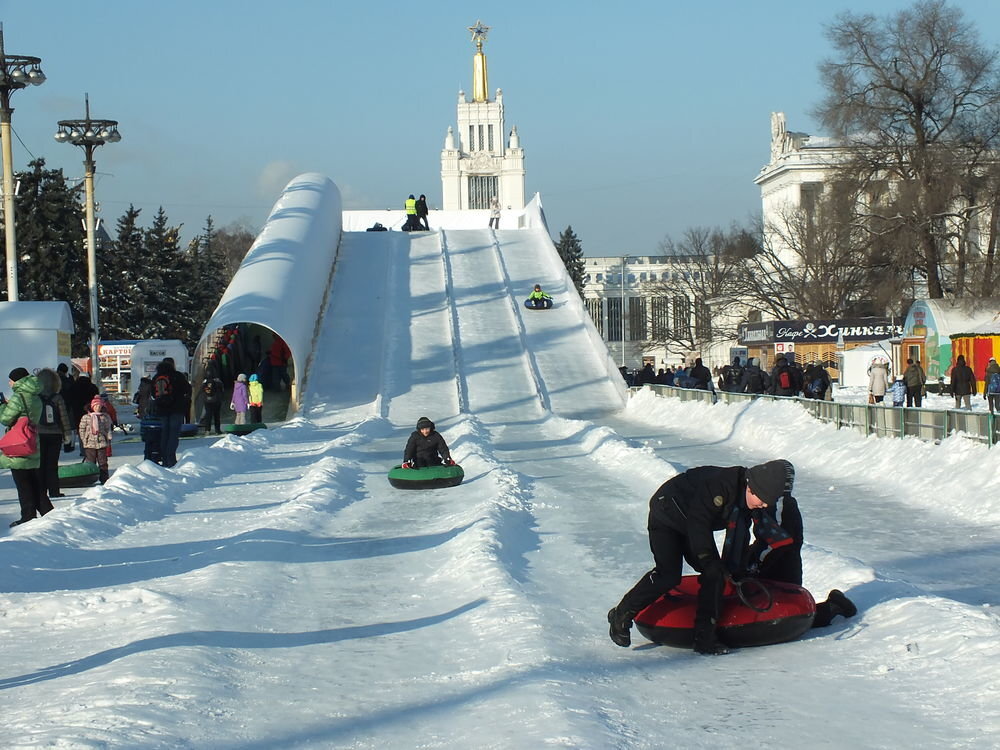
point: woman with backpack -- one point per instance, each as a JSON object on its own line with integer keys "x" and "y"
{"x": 991, "y": 391}
{"x": 24, "y": 402}
{"x": 55, "y": 429}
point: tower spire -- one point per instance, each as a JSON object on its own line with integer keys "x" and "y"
{"x": 479, "y": 82}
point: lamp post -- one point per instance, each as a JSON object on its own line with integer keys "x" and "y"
{"x": 16, "y": 72}
{"x": 88, "y": 134}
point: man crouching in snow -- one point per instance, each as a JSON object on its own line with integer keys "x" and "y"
{"x": 683, "y": 514}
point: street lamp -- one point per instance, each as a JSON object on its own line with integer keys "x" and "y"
{"x": 16, "y": 72}
{"x": 88, "y": 134}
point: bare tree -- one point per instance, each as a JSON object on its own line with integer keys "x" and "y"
{"x": 696, "y": 301}
{"x": 915, "y": 95}
{"x": 233, "y": 241}
{"x": 821, "y": 260}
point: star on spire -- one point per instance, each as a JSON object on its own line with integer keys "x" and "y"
{"x": 479, "y": 32}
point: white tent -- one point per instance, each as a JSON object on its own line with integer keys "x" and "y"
{"x": 854, "y": 363}
{"x": 34, "y": 335}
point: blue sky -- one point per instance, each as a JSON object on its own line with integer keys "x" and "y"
{"x": 639, "y": 120}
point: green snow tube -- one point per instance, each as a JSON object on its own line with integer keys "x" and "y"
{"x": 427, "y": 478}
{"x": 81, "y": 474}
{"x": 243, "y": 429}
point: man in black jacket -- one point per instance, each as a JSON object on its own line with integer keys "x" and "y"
{"x": 426, "y": 447}
{"x": 685, "y": 512}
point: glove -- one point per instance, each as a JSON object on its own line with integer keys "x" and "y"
{"x": 68, "y": 447}
{"x": 408, "y": 465}
{"x": 449, "y": 462}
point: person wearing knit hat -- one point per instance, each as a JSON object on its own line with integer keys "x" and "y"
{"x": 95, "y": 434}
{"x": 25, "y": 402}
{"x": 686, "y": 511}
{"x": 426, "y": 447}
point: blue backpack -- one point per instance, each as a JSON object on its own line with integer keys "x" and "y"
{"x": 993, "y": 387}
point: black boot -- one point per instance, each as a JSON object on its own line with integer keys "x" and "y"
{"x": 840, "y": 604}
{"x": 102, "y": 475}
{"x": 620, "y": 625}
{"x": 705, "y": 640}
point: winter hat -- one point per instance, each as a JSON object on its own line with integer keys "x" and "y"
{"x": 96, "y": 401}
{"x": 241, "y": 377}
{"x": 254, "y": 378}
{"x": 771, "y": 480}
{"x": 17, "y": 373}
{"x": 424, "y": 422}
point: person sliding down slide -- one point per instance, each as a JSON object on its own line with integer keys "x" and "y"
{"x": 539, "y": 299}
{"x": 426, "y": 447}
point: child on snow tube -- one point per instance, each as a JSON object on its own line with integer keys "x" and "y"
{"x": 538, "y": 298}
{"x": 426, "y": 447}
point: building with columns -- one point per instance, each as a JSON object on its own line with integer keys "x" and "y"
{"x": 481, "y": 161}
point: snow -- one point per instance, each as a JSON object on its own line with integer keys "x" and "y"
{"x": 275, "y": 591}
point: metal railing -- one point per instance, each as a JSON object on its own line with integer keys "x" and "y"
{"x": 868, "y": 419}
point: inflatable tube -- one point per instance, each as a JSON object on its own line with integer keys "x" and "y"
{"x": 189, "y": 430}
{"x": 81, "y": 474}
{"x": 546, "y": 304}
{"x": 777, "y": 612}
{"x": 243, "y": 429}
{"x": 427, "y": 478}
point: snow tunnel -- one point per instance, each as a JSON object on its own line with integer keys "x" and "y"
{"x": 267, "y": 319}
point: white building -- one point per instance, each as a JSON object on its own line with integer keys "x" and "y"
{"x": 481, "y": 162}
{"x": 635, "y": 303}
{"x": 794, "y": 177}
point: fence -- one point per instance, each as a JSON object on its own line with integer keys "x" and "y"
{"x": 869, "y": 419}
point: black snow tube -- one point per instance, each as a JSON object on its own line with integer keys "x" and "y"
{"x": 758, "y": 613}
{"x": 427, "y": 478}
{"x": 243, "y": 429}
{"x": 544, "y": 304}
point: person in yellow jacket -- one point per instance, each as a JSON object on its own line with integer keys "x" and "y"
{"x": 255, "y": 399}
{"x": 412, "y": 222}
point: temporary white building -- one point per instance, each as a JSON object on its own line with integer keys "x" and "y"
{"x": 282, "y": 281}
{"x": 34, "y": 335}
{"x": 854, "y": 363}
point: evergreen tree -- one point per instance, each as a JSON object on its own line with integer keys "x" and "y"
{"x": 571, "y": 252}
{"x": 209, "y": 275}
{"x": 165, "y": 286}
{"x": 51, "y": 243}
{"x": 122, "y": 280}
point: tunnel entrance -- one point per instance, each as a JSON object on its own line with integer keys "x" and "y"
{"x": 251, "y": 350}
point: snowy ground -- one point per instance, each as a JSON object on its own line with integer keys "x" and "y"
{"x": 275, "y": 591}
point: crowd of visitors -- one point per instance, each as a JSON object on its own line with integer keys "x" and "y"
{"x": 789, "y": 378}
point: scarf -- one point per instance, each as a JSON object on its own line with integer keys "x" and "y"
{"x": 95, "y": 423}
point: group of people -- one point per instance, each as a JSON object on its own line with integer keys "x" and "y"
{"x": 416, "y": 214}
{"x": 907, "y": 389}
{"x": 61, "y": 410}
{"x": 785, "y": 379}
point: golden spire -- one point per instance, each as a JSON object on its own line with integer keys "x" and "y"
{"x": 479, "y": 84}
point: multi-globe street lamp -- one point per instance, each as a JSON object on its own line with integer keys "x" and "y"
{"x": 16, "y": 72}
{"x": 88, "y": 134}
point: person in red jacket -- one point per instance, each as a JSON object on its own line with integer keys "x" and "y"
{"x": 278, "y": 359}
